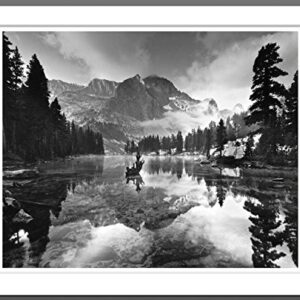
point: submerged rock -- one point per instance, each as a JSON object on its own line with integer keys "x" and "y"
{"x": 22, "y": 217}
{"x": 205, "y": 162}
{"x": 9, "y": 201}
{"x": 7, "y": 193}
{"x": 278, "y": 180}
{"x": 21, "y": 174}
{"x": 10, "y": 207}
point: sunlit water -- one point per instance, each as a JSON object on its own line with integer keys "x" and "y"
{"x": 176, "y": 214}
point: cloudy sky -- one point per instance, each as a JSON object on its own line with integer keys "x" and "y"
{"x": 204, "y": 64}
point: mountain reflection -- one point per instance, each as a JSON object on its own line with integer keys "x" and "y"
{"x": 178, "y": 167}
{"x": 177, "y": 212}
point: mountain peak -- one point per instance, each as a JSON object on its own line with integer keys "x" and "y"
{"x": 153, "y": 76}
{"x": 57, "y": 86}
{"x": 138, "y": 78}
{"x": 238, "y": 108}
{"x": 96, "y": 80}
{"x": 211, "y": 102}
{"x": 101, "y": 88}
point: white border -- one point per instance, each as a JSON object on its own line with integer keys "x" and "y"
{"x": 148, "y": 281}
{"x": 164, "y": 15}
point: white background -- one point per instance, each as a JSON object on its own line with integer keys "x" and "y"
{"x": 146, "y": 281}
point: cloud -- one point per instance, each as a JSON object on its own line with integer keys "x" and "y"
{"x": 113, "y": 56}
{"x": 205, "y": 64}
{"x": 228, "y": 76}
{"x": 175, "y": 121}
{"x": 199, "y": 115}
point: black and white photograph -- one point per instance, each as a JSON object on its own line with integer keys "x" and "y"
{"x": 150, "y": 149}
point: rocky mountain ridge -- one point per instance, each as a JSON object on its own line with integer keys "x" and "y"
{"x": 134, "y": 107}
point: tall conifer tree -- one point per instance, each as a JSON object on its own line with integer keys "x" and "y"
{"x": 221, "y": 136}
{"x": 292, "y": 109}
{"x": 266, "y": 91}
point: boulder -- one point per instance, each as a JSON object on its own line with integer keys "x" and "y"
{"x": 10, "y": 207}
{"x": 22, "y": 217}
{"x": 9, "y": 201}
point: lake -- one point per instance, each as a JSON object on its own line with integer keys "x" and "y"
{"x": 177, "y": 214}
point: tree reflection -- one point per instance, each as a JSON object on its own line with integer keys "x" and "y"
{"x": 39, "y": 199}
{"x": 221, "y": 192}
{"x": 291, "y": 227}
{"x": 179, "y": 168}
{"x": 265, "y": 235}
{"x": 222, "y": 187}
{"x": 137, "y": 181}
{"x": 154, "y": 166}
{"x": 189, "y": 168}
{"x": 38, "y": 230}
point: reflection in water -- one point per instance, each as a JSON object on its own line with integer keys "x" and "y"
{"x": 137, "y": 181}
{"x": 291, "y": 226}
{"x": 176, "y": 214}
{"x": 43, "y": 199}
{"x": 266, "y": 235}
{"x": 221, "y": 193}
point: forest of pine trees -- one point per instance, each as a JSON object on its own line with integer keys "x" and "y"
{"x": 197, "y": 140}
{"x": 154, "y": 143}
{"x": 33, "y": 128}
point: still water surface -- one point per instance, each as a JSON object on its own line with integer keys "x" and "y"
{"x": 176, "y": 214}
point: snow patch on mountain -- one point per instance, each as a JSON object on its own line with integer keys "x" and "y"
{"x": 167, "y": 107}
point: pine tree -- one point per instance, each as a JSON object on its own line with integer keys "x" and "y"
{"x": 179, "y": 146}
{"x": 248, "y": 151}
{"x": 221, "y": 136}
{"x": 7, "y": 66}
{"x": 8, "y": 97}
{"x": 199, "y": 139}
{"x": 213, "y": 132}
{"x": 37, "y": 83}
{"x": 230, "y": 130}
{"x": 58, "y": 136}
{"x": 208, "y": 142}
{"x": 17, "y": 130}
{"x": 38, "y": 112}
{"x": 17, "y": 69}
{"x": 100, "y": 144}
{"x": 267, "y": 94}
{"x": 291, "y": 114}
{"x": 266, "y": 91}
{"x": 74, "y": 139}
